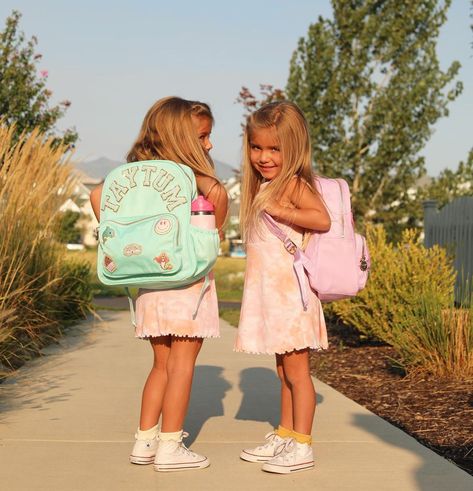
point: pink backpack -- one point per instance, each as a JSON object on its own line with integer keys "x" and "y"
{"x": 336, "y": 262}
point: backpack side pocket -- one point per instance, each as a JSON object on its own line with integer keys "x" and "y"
{"x": 205, "y": 244}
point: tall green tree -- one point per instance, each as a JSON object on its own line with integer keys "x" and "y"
{"x": 451, "y": 184}
{"x": 24, "y": 97}
{"x": 370, "y": 85}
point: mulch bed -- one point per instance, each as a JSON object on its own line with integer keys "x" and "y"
{"x": 437, "y": 413}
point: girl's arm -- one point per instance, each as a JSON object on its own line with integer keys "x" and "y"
{"x": 307, "y": 210}
{"x": 217, "y": 195}
{"x": 95, "y": 196}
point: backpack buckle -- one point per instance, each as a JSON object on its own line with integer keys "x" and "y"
{"x": 290, "y": 246}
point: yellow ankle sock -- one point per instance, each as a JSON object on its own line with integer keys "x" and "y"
{"x": 301, "y": 438}
{"x": 283, "y": 432}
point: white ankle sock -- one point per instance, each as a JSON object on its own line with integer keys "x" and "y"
{"x": 147, "y": 434}
{"x": 166, "y": 437}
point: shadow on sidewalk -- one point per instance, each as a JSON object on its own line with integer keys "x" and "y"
{"x": 37, "y": 384}
{"x": 208, "y": 391}
{"x": 261, "y": 391}
{"x": 429, "y": 474}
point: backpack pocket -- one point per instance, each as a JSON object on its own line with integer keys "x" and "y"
{"x": 205, "y": 244}
{"x": 139, "y": 247}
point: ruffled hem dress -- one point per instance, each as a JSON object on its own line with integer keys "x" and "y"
{"x": 169, "y": 312}
{"x": 272, "y": 318}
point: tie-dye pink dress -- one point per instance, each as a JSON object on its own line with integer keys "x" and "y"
{"x": 163, "y": 312}
{"x": 272, "y": 318}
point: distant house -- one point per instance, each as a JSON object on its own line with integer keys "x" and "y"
{"x": 233, "y": 187}
{"x": 80, "y": 202}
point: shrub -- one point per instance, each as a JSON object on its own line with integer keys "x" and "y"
{"x": 401, "y": 275}
{"x": 68, "y": 232}
{"x": 75, "y": 290}
{"x": 437, "y": 340}
{"x": 408, "y": 303}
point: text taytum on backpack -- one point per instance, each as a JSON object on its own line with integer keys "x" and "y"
{"x": 145, "y": 236}
{"x": 336, "y": 262}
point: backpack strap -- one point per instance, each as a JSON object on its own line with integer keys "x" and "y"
{"x": 132, "y": 309}
{"x": 205, "y": 285}
{"x": 301, "y": 261}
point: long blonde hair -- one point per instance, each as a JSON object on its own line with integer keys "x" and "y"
{"x": 168, "y": 133}
{"x": 294, "y": 142}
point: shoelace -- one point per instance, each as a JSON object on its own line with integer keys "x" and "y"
{"x": 269, "y": 437}
{"x": 182, "y": 447}
{"x": 288, "y": 447}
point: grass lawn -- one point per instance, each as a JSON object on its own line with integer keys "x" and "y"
{"x": 229, "y": 274}
{"x": 232, "y": 316}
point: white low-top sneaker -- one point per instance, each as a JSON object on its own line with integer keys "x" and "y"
{"x": 144, "y": 451}
{"x": 274, "y": 444}
{"x": 294, "y": 457}
{"x": 173, "y": 455}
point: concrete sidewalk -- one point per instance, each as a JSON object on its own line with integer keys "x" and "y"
{"x": 67, "y": 423}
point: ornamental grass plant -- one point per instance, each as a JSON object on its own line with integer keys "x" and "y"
{"x": 39, "y": 288}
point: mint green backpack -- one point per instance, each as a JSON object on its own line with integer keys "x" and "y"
{"x": 145, "y": 236}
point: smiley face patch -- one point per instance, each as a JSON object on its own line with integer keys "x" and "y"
{"x": 163, "y": 226}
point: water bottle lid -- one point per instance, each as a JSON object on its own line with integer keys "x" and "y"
{"x": 201, "y": 204}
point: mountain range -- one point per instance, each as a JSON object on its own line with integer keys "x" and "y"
{"x": 100, "y": 167}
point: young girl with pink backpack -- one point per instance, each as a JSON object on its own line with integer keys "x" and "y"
{"x": 278, "y": 181}
{"x": 301, "y": 249}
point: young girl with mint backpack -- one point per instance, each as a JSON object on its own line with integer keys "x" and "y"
{"x": 174, "y": 131}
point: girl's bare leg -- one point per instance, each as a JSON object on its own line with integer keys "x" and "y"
{"x": 297, "y": 372}
{"x": 286, "y": 419}
{"x": 155, "y": 386}
{"x": 180, "y": 371}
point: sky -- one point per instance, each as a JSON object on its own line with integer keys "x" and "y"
{"x": 113, "y": 60}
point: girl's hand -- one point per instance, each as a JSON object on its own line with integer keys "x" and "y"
{"x": 300, "y": 206}
{"x": 273, "y": 208}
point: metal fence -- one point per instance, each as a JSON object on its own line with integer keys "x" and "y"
{"x": 452, "y": 228}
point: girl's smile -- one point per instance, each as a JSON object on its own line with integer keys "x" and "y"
{"x": 265, "y": 155}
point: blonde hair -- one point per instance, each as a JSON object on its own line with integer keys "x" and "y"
{"x": 168, "y": 133}
{"x": 294, "y": 142}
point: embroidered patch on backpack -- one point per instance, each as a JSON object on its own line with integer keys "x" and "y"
{"x": 163, "y": 261}
{"x": 108, "y": 233}
{"x": 109, "y": 264}
{"x": 132, "y": 250}
{"x": 163, "y": 226}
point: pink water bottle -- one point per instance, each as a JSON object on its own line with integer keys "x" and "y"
{"x": 203, "y": 213}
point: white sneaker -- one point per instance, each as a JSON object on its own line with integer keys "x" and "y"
{"x": 173, "y": 455}
{"x": 294, "y": 457}
{"x": 144, "y": 451}
{"x": 274, "y": 444}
